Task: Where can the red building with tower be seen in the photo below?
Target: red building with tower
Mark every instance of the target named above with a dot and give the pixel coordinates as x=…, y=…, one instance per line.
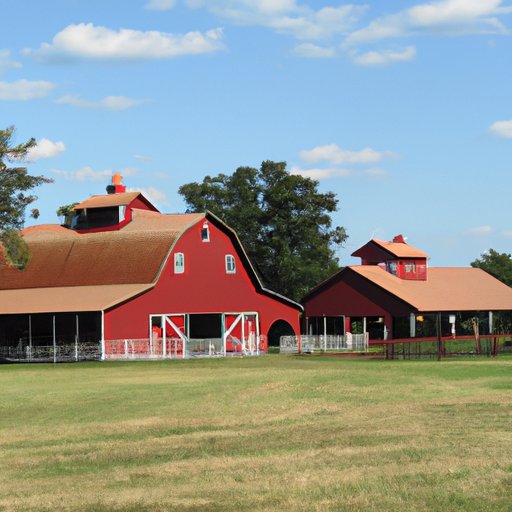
x=393, y=294
x=136, y=281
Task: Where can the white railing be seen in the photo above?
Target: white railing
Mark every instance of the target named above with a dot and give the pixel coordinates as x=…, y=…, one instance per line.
x=177, y=348
x=324, y=343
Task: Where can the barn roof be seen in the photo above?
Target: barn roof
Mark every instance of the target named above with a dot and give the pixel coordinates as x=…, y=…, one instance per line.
x=133, y=255
x=61, y=299
x=105, y=200
x=396, y=249
x=446, y=289
x=70, y=271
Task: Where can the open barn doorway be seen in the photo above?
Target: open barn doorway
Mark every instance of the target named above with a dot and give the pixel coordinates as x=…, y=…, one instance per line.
x=279, y=328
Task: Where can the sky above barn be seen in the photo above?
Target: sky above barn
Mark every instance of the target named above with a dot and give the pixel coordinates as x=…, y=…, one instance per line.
x=402, y=108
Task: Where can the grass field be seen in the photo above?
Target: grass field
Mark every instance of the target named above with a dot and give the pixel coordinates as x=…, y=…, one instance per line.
x=270, y=433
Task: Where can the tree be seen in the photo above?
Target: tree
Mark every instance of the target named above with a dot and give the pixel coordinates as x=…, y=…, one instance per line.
x=66, y=211
x=15, y=182
x=281, y=219
x=496, y=264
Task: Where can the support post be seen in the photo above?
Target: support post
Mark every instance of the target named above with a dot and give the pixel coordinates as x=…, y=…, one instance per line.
x=412, y=325
x=54, y=342
x=438, y=334
x=30, y=337
x=77, y=334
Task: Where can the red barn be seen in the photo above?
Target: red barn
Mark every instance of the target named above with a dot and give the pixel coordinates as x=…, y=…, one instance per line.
x=393, y=294
x=139, y=282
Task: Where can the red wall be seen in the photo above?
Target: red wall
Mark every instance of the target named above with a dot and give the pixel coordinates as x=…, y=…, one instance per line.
x=204, y=287
x=352, y=295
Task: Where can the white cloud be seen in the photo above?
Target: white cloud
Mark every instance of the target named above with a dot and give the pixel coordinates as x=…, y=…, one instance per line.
x=154, y=195
x=107, y=103
x=45, y=148
x=6, y=63
x=502, y=129
x=382, y=58
x=322, y=173
x=87, y=41
x=480, y=230
x=452, y=17
x=313, y=51
x=160, y=5
x=286, y=16
x=87, y=173
x=450, y=12
x=23, y=90
x=332, y=153
x=143, y=158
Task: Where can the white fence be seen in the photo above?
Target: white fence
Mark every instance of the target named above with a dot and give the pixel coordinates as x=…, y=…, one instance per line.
x=324, y=343
x=177, y=348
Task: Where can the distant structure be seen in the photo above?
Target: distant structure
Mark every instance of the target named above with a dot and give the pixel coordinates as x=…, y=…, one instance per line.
x=139, y=283
x=393, y=294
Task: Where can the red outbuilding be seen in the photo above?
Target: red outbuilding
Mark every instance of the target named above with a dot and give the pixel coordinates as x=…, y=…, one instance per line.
x=138, y=283
x=393, y=294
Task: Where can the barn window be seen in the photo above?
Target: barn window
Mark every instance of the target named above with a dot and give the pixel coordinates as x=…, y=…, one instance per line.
x=205, y=232
x=179, y=263
x=230, y=264
x=410, y=267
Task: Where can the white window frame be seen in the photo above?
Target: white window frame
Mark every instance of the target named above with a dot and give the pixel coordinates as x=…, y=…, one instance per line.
x=179, y=263
x=230, y=264
x=205, y=230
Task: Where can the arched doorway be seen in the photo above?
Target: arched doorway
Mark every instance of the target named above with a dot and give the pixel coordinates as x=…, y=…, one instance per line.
x=279, y=328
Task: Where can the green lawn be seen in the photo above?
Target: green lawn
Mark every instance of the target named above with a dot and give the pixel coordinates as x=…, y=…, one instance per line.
x=269, y=433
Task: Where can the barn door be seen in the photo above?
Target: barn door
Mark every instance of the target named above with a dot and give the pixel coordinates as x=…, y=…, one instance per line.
x=175, y=329
x=250, y=333
x=241, y=332
x=232, y=341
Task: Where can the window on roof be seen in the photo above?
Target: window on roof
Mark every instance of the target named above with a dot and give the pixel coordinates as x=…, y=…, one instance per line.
x=179, y=263
x=410, y=267
x=230, y=264
x=392, y=267
x=205, y=232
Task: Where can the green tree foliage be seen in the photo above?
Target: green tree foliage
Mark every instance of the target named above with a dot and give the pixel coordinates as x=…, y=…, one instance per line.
x=281, y=219
x=66, y=211
x=15, y=184
x=496, y=264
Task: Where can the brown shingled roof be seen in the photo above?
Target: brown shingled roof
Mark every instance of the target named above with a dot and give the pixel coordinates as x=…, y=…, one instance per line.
x=60, y=257
x=104, y=200
x=446, y=289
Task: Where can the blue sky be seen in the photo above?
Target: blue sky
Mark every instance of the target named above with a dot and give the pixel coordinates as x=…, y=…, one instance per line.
x=402, y=108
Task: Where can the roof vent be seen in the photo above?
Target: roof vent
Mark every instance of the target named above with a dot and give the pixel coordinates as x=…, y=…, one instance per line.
x=117, y=185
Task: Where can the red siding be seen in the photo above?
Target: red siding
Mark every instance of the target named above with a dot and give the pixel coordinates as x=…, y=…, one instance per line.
x=354, y=296
x=204, y=287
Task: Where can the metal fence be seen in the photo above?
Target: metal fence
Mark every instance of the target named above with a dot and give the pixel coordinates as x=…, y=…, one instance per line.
x=51, y=353
x=309, y=343
x=489, y=345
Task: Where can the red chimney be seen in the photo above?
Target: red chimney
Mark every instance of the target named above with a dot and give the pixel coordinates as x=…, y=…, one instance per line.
x=399, y=239
x=117, y=185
